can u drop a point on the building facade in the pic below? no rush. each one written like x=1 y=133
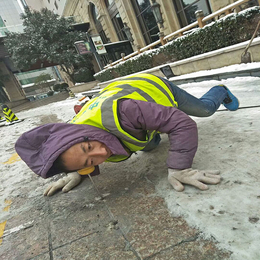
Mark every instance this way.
x=57 y=6
x=125 y=26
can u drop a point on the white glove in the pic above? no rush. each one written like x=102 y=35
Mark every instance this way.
x=66 y=184
x=192 y=177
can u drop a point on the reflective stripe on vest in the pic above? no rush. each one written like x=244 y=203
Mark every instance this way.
x=102 y=111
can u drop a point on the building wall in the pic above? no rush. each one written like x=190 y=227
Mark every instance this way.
x=57 y=6
x=171 y=22
x=10 y=12
x=35 y=4
x=78 y=9
x=216 y=5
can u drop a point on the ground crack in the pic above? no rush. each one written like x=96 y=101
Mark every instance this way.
x=188 y=240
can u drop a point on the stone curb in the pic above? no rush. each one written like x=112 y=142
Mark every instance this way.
x=219 y=76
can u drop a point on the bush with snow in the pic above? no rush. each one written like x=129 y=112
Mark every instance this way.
x=230 y=30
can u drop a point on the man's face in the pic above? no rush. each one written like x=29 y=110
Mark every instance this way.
x=85 y=154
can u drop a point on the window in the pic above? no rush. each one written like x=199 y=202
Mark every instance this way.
x=55 y=3
x=118 y=25
x=186 y=9
x=109 y=2
x=146 y=20
x=116 y=20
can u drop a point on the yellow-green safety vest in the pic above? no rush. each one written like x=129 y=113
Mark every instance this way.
x=102 y=110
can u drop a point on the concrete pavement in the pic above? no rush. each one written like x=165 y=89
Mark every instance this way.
x=132 y=222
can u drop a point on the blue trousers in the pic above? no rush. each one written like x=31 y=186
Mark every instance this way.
x=205 y=106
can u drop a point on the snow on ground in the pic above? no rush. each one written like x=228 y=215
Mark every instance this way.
x=17 y=174
x=228 y=141
x=245 y=85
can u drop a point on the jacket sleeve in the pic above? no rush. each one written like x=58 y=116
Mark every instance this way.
x=136 y=116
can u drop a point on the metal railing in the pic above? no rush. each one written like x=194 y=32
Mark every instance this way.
x=163 y=39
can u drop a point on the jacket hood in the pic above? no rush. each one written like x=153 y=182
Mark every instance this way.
x=41 y=146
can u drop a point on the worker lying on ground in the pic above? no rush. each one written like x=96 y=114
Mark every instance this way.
x=126 y=116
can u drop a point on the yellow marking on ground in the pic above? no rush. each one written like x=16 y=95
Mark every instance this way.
x=7 y=208
x=2 y=225
x=14 y=158
x=8 y=202
x=2 y=229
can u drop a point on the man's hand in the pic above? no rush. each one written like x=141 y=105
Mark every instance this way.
x=66 y=184
x=192 y=177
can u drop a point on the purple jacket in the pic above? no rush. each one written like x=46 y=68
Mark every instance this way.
x=41 y=146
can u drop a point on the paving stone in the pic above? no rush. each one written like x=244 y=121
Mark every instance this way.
x=75 y=215
x=41 y=257
x=106 y=244
x=29 y=242
x=25 y=244
x=146 y=222
x=199 y=250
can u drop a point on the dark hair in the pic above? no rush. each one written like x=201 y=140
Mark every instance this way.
x=60 y=164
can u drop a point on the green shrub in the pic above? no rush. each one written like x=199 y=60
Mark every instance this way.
x=83 y=75
x=140 y=62
x=136 y=64
x=230 y=30
x=106 y=74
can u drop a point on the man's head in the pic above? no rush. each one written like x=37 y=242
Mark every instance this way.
x=84 y=154
x=40 y=147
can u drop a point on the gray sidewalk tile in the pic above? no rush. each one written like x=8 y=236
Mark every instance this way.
x=107 y=244
x=25 y=244
x=143 y=217
x=199 y=250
